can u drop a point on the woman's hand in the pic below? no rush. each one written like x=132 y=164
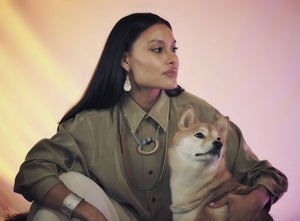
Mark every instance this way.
x=244 y=207
x=87 y=212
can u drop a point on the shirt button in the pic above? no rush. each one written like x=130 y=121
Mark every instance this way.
x=150 y=172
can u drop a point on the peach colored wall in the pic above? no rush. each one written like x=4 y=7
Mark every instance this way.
x=241 y=56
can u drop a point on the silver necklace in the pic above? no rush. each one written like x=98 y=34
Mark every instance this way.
x=144 y=142
x=125 y=163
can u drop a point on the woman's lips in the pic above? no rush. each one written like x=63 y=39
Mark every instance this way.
x=172 y=72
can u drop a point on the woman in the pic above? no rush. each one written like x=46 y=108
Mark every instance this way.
x=117 y=135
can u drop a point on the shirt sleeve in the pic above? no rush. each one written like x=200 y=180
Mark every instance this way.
x=249 y=170
x=50 y=157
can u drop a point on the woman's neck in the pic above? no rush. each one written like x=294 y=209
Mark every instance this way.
x=145 y=99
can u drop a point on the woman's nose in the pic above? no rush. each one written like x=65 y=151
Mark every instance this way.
x=172 y=58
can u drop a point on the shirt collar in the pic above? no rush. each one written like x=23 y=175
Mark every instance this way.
x=135 y=114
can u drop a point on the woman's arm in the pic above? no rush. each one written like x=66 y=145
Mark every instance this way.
x=84 y=210
x=49 y=158
x=38 y=176
x=249 y=170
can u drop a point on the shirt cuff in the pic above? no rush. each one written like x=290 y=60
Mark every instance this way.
x=268 y=184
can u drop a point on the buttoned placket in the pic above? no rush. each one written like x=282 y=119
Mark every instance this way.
x=145 y=170
x=152 y=171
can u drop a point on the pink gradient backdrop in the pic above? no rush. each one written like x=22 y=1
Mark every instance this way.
x=241 y=56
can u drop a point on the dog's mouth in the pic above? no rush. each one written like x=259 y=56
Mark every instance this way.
x=216 y=150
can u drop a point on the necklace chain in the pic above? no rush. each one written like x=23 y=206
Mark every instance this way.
x=163 y=163
x=142 y=143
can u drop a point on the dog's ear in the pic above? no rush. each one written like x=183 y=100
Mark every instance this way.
x=222 y=126
x=187 y=118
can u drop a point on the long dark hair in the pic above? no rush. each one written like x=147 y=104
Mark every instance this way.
x=106 y=85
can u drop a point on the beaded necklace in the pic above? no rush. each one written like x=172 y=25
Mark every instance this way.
x=163 y=164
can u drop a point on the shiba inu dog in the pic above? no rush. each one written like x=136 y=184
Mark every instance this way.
x=198 y=172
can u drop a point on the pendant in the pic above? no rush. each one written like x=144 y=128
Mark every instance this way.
x=147 y=141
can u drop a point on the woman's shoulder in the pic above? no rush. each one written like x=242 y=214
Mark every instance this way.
x=187 y=98
x=205 y=111
x=91 y=117
x=95 y=113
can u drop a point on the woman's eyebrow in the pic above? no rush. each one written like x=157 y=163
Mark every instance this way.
x=160 y=41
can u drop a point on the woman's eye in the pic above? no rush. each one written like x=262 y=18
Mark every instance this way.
x=175 y=49
x=157 y=50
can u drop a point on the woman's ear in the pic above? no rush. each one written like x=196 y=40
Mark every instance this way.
x=125 y=63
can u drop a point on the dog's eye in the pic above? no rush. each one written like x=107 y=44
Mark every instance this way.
x=199 y=135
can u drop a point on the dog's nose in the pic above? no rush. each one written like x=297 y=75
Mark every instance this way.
x=217 y=144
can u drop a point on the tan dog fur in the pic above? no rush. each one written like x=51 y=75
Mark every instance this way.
x=198 y=174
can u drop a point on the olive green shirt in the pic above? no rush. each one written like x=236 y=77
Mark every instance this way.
x=90 y=143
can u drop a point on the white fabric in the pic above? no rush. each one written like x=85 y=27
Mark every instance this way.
x=92 y=193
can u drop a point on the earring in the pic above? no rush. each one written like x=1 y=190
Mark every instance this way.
x=127 y=84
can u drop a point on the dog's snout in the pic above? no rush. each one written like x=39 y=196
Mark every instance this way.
x=217 y=144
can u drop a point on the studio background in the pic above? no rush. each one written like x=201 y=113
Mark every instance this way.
x=243 y=57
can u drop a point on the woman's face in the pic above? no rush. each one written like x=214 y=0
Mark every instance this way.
x=152 y=61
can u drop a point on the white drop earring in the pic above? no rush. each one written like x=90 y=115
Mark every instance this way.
x=127 y=84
